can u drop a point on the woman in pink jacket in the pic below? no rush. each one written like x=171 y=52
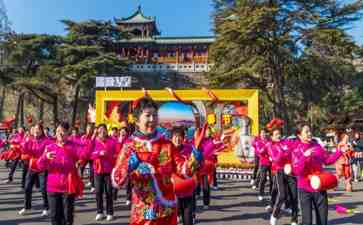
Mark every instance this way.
x=308 y=158
x=34 y=148
x=64 y=183
x=263 y=164
x=284 y=185
x=103 y=156
x=89 y=137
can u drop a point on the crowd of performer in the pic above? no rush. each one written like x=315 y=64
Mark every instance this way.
x=295 y=170
x=163 y=173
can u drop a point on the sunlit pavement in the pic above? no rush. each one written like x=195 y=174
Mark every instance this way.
x=233 y=204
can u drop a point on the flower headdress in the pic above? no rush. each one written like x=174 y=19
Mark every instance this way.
x=274 y=124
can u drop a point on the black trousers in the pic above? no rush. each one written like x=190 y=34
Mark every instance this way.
x=215 y=180
x=103 y=185
x=128 y=191
x=285 y=188
x=317 y=201
x=13 y=167
x=61 y=208
x=24 y=173
x=264 y=172
x=91 y=172
x=205 y=188
x=29 y=183
x=256 y=168
x=186 y=209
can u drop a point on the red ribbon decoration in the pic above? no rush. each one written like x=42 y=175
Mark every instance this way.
x=172 y=92
x=211 y=94
x=200 y=135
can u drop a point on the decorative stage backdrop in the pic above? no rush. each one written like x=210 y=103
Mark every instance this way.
x=233 y=112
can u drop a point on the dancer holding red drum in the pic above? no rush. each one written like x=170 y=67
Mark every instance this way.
x=103 y=156
x=64 y=182
x=308 y=159
x=285 y=186
x=34 y=148
x=184 y=186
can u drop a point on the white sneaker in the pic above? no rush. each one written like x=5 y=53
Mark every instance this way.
x=93 y=190
x=268 y=208
x=128 y=202
x=109 y=217
x=293 y=223
x=214 y=188
x=252 y=182
x=99 y=217
x=287 y=210
x=45 y=213
x=24 y=211
x=273 y=220
x=260 y=198
x=254 y=187
x=7 y=181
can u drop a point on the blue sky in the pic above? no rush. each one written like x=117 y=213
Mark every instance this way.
x=175 y=17
x=176 y=110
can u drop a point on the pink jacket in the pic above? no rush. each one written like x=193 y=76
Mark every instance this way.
x=75 y=138
x=210 y=147
x=305 y=166
x=103 y=155
x=260 y=146
x=281 y=153
x=35 y=147
x=62 y=165
x=17 y=139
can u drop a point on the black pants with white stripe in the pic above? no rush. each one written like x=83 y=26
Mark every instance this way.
x=264 y=172
x=285 y=188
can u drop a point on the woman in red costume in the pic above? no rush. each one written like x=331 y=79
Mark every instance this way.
x=148 y=160
x=186 y=197
x=343 y=167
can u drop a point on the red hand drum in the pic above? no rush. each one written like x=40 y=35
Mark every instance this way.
x=184 y=187
x=323 y=181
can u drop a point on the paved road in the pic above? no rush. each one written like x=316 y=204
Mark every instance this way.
x=234 y=204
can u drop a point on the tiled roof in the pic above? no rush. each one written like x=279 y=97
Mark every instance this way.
x=137 y=17
x=172 y=40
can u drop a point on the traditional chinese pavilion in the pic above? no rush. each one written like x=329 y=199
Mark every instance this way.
x=154 y=53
